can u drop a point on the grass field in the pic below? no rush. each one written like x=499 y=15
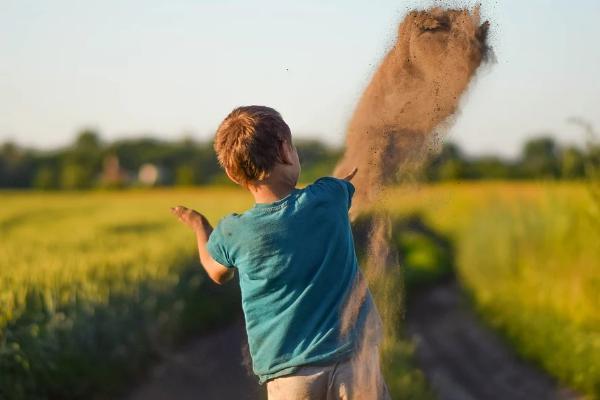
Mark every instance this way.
x=529 y=255
x=93 y=284
x=81 y=273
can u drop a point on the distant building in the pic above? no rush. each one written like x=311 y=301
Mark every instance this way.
x=112 y=173
x=151 y=175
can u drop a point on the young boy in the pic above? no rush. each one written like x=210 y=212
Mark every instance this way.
x=309 y=329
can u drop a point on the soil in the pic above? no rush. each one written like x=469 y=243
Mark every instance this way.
x=462 y=359
x=210 y=367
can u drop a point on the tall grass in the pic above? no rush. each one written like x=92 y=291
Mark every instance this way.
x=530 y=257
x=539 y=282
x=93 y=285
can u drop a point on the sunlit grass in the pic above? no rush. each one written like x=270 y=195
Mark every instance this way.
x=529 y=254
x=90 y=281
x=102 y=272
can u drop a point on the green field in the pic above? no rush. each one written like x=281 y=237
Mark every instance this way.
x=81 y=273
x=529 y=256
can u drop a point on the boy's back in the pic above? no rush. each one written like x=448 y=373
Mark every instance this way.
x=297 y=266
x=304 y=301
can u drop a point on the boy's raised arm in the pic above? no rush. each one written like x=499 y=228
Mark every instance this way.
x=202 y=228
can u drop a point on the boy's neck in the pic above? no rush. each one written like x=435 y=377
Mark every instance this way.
x=269 y=191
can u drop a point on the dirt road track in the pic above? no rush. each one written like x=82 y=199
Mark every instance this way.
x=463 y=360
x=209 y=368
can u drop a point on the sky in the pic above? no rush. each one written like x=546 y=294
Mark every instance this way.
x=176 y=68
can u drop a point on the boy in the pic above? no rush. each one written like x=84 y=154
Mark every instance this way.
x=309 y=330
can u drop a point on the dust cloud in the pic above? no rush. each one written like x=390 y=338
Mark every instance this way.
x=408 y=103
x=414 y=91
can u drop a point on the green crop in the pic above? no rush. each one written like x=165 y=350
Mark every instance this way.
x=94 y=285
x=529 y=256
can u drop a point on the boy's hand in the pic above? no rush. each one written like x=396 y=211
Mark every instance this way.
x=193 y=219
x=202 y=228
x=350 y=175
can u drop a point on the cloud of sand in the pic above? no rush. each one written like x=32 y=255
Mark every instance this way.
x=405 y=108
x=415 y=90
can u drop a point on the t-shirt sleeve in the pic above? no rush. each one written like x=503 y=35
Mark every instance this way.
x=217 y=247
x=341 y=188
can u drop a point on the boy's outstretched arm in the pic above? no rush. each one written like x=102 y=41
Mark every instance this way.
x=202 y=228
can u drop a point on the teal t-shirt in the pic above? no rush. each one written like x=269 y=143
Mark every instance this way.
x=297 y=266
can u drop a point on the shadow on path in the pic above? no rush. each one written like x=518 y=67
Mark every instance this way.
x=462 y=359
x=209 y=368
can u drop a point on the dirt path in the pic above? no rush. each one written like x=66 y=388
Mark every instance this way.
x=209 y=368
x=463 y=360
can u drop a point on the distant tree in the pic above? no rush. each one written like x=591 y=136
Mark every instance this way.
x=45 y=178
x=88 y=140
x=81 y=164
x=452 y=170
x=317 y=158
x=203 y=162
x=540 y=158
x=185 y=175
x=490 y=167
x=73 y=175
x=592 y=160
x=448 y=165
x=572 y=163
x=16 y=166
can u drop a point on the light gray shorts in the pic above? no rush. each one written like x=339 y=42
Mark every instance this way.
x=358 y=378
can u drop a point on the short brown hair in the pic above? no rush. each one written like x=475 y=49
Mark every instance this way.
x=248 y=142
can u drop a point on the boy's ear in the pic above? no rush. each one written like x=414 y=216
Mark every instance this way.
x=231 y=177
x=285 y=151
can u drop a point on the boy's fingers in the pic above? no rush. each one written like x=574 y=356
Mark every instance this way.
x=351 y=174
x=178 y=210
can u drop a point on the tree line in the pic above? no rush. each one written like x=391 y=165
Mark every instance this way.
x=89 y=162
x=540 y=158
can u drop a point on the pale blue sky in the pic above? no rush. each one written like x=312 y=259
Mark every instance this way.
x=173 y=67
